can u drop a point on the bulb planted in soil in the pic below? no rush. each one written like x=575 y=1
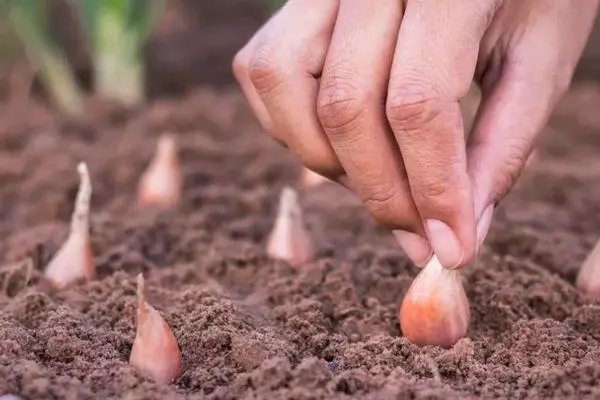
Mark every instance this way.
x=588 y=278
x=74 y=260
x=155 y=350
x=161 y=184
x=289 y=239
x=309 y=178
x=435 y=310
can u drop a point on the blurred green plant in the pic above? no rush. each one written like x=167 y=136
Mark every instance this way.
x=28 y=19
x=11 y=48
x=117 y=31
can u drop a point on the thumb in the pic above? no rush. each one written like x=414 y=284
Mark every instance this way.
x=512 y=114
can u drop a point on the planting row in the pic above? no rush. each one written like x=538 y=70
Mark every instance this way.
x=434 y=311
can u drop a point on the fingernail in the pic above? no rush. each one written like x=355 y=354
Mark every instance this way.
x=416 y=247
x=445 y=244
x=484 y=225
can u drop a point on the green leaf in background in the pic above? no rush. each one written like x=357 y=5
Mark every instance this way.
x=136 y=18
x=117 y=31
x=28 y=19
x=143 y=16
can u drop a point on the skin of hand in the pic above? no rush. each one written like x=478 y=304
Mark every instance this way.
x=367 y=94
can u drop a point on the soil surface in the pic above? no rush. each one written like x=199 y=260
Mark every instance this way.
x=251 y=327
x=254 y=328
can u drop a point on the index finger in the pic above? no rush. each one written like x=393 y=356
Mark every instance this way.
x=433 y=67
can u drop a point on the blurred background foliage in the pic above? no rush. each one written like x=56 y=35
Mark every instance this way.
x=192 y=43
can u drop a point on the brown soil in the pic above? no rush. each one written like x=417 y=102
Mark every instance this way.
x=250 y=327
x=253 y=328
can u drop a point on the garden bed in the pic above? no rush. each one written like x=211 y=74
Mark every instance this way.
x=252 y=327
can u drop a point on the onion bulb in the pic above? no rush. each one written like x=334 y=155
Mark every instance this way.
x=588 y=278
x=435 y=310
x=74 y=260
x=161 y=184
x=289 y=239
x=155 y=350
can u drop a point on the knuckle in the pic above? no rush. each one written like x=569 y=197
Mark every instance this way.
x=410 y=108
x=264 y=68
x=317 y=155
x=439 y=196
x=340 y=103
x=380 y=201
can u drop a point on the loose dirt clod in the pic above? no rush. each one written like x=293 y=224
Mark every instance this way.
x=74 y=259
x=161 y=184
x=588 y=279
x=289 y=239
x=435 y=310
x=17 y=277
x=155 y=350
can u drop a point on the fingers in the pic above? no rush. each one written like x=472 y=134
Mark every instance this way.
x=240 y=66
x=433 y=68
x=352 y=114
x=518 y=97
x=512 y=114
x=510 y=119
x=282 y=69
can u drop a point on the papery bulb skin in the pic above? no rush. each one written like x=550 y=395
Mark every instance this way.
x=588 y=278
x=289 y=239
x=309 y=178
x=155 y=350
x=161 y=183
x=74 y=260
x=435 y=310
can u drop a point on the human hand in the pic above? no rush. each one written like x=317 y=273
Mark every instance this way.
x=367 y=93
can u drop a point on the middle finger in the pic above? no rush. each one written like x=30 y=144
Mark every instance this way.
x=352 y=113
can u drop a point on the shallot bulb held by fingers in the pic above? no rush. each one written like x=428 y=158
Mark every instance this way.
x=435 y=310
x=289 y=239
x=155 y=350
x=588 y=278
x=74 y=259
x=161 y=184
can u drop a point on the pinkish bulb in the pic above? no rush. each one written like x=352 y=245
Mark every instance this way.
x=289 y=239
x=155 y=350
x=435 y=310
x=161 y=183
x=588 y=278
x=74 y=260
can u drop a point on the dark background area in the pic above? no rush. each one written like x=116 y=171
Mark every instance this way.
x=195 y=42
